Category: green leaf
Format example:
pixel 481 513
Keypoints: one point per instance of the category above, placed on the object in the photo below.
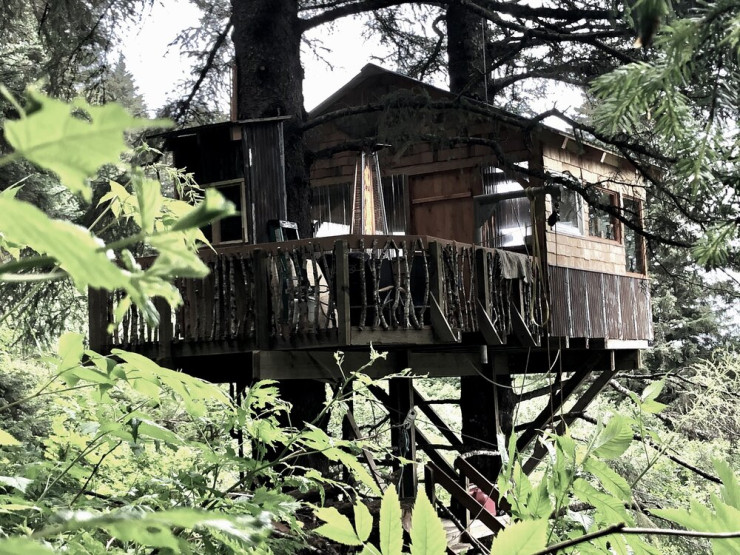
pixel 7 439
pixel 731 489
pixel 538 503
pixel 71 348
pixel 213 207
pixel 391 533
pixel 363 521
pixel 651 392
pixel 76 250
pixel 59 138
pixel 155 431
pixel 614 439
pixel 427 533
pixel 522 538
pixel 609 509
pixel 370 549
pixel 14 546
pixel 610 480
pixel 149 198
pixel 337 527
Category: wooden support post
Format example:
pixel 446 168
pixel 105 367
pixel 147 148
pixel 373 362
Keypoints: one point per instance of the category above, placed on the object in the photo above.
pixel 263 317
pixel 165 332
pixel 341 264
pixel 403 432
pixel 561 392
pixel 369 459
pixel 601 380
pixel 97 314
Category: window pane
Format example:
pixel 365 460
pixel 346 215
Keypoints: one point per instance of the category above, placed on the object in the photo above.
pixel 634 250
pixel 396 205
pixel 571 213
pixel 601 224
pixel 331 208
pixel 511 222
pixel 231 227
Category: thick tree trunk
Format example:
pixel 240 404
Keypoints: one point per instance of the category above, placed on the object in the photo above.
pixel 465 51
pixel 267 44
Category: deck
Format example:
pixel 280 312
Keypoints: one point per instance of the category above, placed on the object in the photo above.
pixel 413 294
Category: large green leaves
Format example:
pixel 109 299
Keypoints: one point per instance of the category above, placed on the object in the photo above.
pixel 391 532
pixel 73 247
pixel 427 533
pixel 337 527
pixel 73 140
pixel 522 538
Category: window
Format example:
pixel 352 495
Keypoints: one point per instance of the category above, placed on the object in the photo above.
pixel 571 213
pixel 233 228
pixel 601 224
pixel 331 208
pixel 511 222
pixel 634 243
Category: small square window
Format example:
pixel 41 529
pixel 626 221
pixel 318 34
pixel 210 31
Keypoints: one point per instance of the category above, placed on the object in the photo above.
pixel 233 228
pixel 600 223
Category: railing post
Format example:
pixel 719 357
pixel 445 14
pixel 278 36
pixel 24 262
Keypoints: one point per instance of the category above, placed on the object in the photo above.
pixel 263 318
pixel 341 265
pixel 437 275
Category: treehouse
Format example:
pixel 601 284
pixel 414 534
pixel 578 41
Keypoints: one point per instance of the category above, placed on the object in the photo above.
pixel 445 237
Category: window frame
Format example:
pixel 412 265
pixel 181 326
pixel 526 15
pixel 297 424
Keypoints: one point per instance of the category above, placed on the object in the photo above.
pixel 216 226
pixel 614 197
pixel 641 250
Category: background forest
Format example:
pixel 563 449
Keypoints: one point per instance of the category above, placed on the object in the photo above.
pixel 118 454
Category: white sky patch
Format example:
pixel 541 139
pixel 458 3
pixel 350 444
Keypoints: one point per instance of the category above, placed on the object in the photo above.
pixel 158 67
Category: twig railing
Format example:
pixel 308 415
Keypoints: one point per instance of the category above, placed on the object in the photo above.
pixel 321 291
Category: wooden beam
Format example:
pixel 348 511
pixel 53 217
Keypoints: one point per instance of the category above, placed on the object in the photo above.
pixel 367 455
pixel 403 432
pixel 602 379
pixel 341 261
pixel 486 327
pixel 434 418
pixel 97 317
pixel 440 325
pixel 520 329
pixel 560 394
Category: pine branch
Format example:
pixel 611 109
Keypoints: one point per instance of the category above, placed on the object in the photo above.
pixel 622 529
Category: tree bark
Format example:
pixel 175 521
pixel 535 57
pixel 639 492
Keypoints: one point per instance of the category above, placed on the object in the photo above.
pixel 465 52
pixel 267 44
pixel 269 83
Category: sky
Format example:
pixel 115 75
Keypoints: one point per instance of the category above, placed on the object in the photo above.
pixel 157 67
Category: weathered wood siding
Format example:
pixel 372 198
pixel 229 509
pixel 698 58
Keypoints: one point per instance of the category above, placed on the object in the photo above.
pixel 597 168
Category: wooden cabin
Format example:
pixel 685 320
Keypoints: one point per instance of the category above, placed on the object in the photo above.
pixel 431 241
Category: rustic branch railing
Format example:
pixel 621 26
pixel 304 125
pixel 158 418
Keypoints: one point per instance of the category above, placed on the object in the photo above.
pixel 352 290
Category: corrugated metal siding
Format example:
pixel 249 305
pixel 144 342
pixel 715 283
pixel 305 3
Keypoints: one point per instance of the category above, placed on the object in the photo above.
pixel 596 307
pixel 579 305
pixel 599 306
pixel 264 167
pixel 559 305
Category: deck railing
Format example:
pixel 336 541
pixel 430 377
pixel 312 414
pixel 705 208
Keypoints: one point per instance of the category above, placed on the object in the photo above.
pixel 348 290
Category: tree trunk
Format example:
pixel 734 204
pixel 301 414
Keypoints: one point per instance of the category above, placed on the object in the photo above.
pixel 267 44
pixel 465 52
